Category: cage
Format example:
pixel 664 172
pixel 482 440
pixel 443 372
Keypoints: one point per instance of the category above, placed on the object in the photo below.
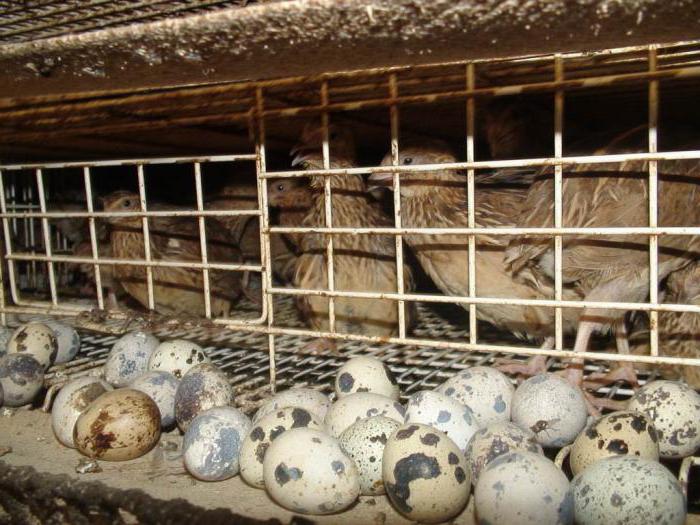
pixel 200 155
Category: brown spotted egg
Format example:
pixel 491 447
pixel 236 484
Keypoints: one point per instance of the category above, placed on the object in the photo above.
pixel 312 400
pixel 615 434
pixel 177 357
pixel 360 405
pixel 366 374
pixel 425 474
pixel 203 387
pixel 306 471
pixel 73 398
pixel 674 409
pixel 21 377
pixel 36 340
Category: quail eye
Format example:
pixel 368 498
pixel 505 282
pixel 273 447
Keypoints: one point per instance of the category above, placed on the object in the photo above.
pixel 280 187
pixel 127 203
pixel 408 160
pixel 333 136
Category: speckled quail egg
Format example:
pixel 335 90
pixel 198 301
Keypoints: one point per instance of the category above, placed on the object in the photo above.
pixel 177 357
pixel 360 405
pixel 495 440
pixel 21 377
pixel 487 391
pixel 264 432
pixel 551 407
pixel 201 388
pixel 119 425
pixel 73 398
pixel 36 340
pixel 312 400
pixel 128 358
pixel 522 488
pixel 366 374
pixel 444 413
pixel 137 338
pixel 626 489
pixel 212 443
pixel 425 474
pixel 67 339
pixel 622 433
pixel 160 387
pixel 674 409
pixel 364 442
pixel 306 471
pixel 5 334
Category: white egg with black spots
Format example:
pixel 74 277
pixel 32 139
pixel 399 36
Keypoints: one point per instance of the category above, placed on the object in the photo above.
pixel 177 357
pixel 487 391
pixel 360 405
pixel 125 363
pixel 552 408
pixel 443 413
pixel 137 339
pixel 523 488
pixel 312 400
pixel 68 341
pixel 21 377
pixel 264 432
pixel 201 388
pixel 5 334
pixel 674 409
pixel 626 489
pixel 306 471
pixel 364 443
pixel 425 474
pixel 495 440
pixel 73 398
pixel 160 387
pixel 623 433
pixel 366 374
pixel 212 443
pixel 36 340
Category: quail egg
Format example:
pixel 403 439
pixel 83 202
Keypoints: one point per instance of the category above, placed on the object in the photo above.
pixel 202 388
pixel 487 391
pixel 364 442
pixel 360 405
pixel 522 488
pixel 21 377
pixel 627 489
pixel 119 425
pixel 36 340
pixel 160 387
pixel 425 474
pixel 125 364
pixel 306 471
pixel 5 334
pixel 177 357
pixel 366 374
pixel 552 408
pixel 674 409
pixel 444 413
pixel 67 339
pixel 312 400
pixel 137 339
pixel 495 440
pixel 72 399
pixel 212 443
pixel 615 434
pixel 265 432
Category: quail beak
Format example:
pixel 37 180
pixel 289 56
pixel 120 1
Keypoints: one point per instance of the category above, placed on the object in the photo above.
pixel 379 181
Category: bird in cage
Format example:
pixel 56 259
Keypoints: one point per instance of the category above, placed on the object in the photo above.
pixel 364 263
pixel 109 282
pixel 177 290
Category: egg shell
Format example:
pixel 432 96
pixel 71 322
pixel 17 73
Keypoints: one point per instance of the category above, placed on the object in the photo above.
pixel 425 474
pixel 212 443
pixel 364 443
pixel 73 398
pixel 552 408
pixel 616 434
pixel 674 409
pixel 21 377
pixel 366 374
pixel 117 426
pixel 137 338
pixel 5 334
pixel 306 471
pixel 312 400
pixel 487 391
pixel 201 388
pixel 35 339
pixel 443 413
pixel 523 488
pixel 626 489
pixel 495 440
pixel 177 357
pixel 264 432
pixel 360 405
pixel 126 364
pixel 68 341
pixel 160 387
